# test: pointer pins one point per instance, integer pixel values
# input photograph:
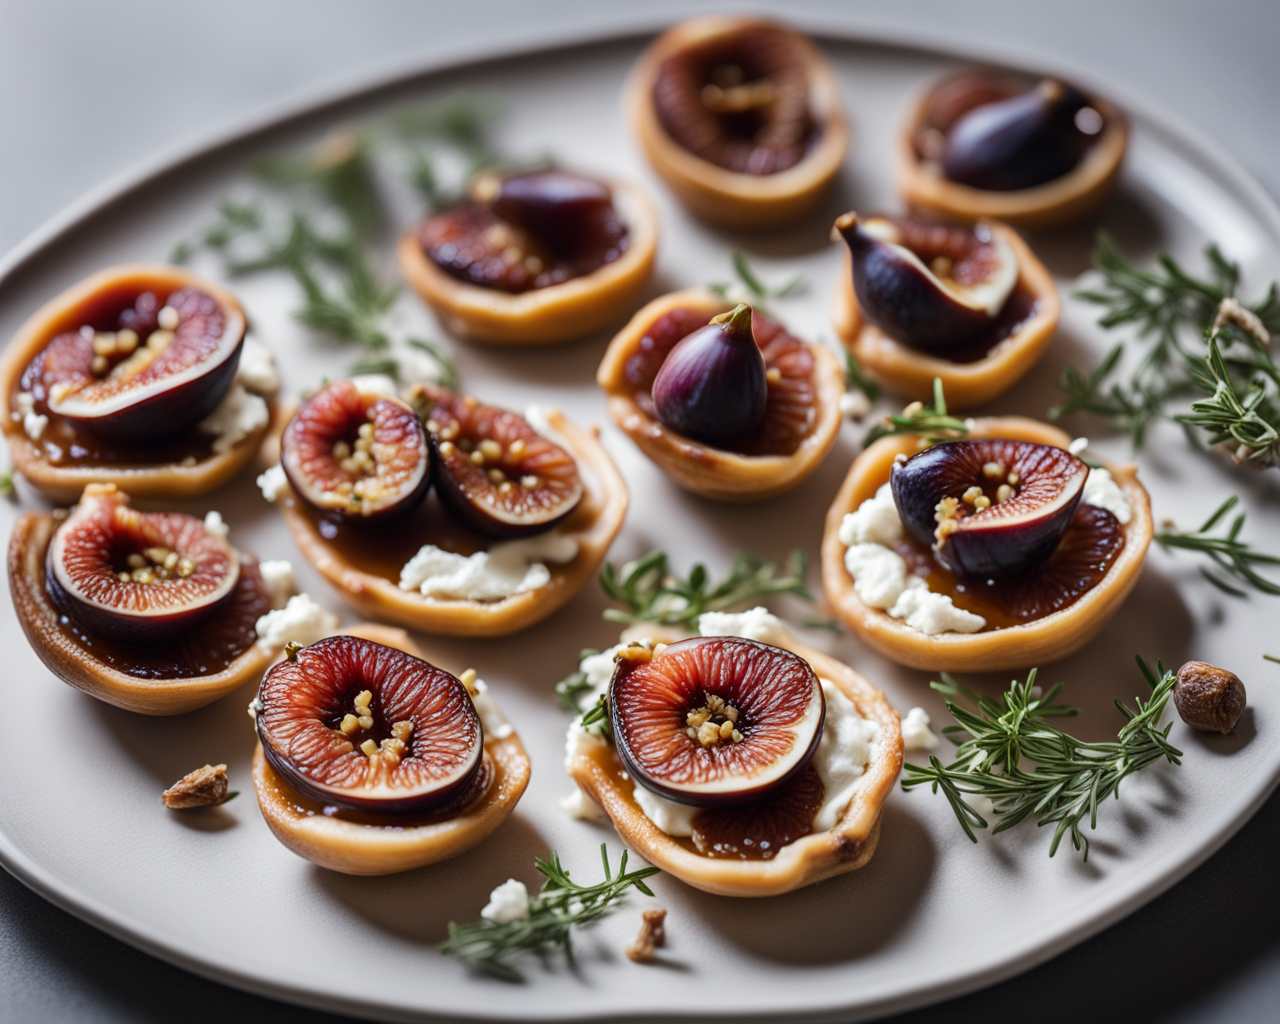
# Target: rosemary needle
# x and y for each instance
(1233, 558)
(932, 422)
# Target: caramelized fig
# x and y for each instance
(990, 507)
(492, 470)
(356, 724)
(715, 721)
(934, 287)
(1023, 140)
(137, 577)
(356, 455)
(712, 385)
(760, 830)
(143, 371)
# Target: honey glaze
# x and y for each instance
(305, 807)
(1088, 549)
(791, 409)
(209, 649)
(1019, 308)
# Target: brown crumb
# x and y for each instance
(204, 787)
(653, 933)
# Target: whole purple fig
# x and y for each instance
(712, 385)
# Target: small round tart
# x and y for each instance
(802, 415)
(545, 314)
(93, 383)
(218, 655)
(923, 185)
(983, 369)
(367, 843)
(365, 564)
(763, 106)
(997, 647)
(812, 857)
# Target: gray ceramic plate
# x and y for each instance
(931, 916)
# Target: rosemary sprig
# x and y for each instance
(7, 490)
(756, 291)
(560, 905)
(931, 422)
(574, 685)
(595, 720)
(1070, 777)
(856, 379)
(651, 593)
(1234, 558)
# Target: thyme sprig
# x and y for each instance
(651, 593)
(560, 906)
(1233, 558)
(1203, 344)
(932, 422)
(756, 291)
(1070, 777)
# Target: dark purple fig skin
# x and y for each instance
(902, 301)
(996, 542)
(712, 386)
(1020, 142)
(561, 210)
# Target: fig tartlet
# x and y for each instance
(919, 300)
(999, 551)
(720, 753)
(741, 117)
(730, 406)
(534, 257)
(141, 376)
(984, 143)
(153, 612)
(370, 760)
(521, 517)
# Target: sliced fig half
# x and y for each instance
(990, 507)
(356, 724)
(147, 365)
(715, 721)
(492, 470)
(935, 287)
(137, 578)
(356, 455)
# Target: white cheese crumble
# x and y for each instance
(32, 422)
(916, 734)
(842, 754)
(854, 404)
(581, 807)
(930, 613)
(237, 416)
(301, 620)
(672, 818)
(1078, 445)
(508, 902)
(755, 624)
(277, 579)
(375, 384)
(257, 369)
(875, 521)
(512, 567)
(1101, 489)
(273, 482)
(214, 524)
(491, 717)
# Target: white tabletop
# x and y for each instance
(86, 89)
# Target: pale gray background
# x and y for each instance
(89, 88)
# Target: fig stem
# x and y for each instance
(291, 650)
(736, 322)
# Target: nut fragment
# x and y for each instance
(204, 787)
(1208, 698)
(653, 933)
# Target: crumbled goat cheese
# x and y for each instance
(1101, 489)
(257, 369)
(273, 482)
(916, 734)
(880, 575)
(855, 404)
(1078, 445)
(32, 422)
(755, 624)
(598, 670)
(237, 416)
(277, 579)
(842, 754)
(214, 524)
(508, 902)
(492, 719)
(300, 620)
(375, 384)
(581, 807)
(512, 567)
(672, 818)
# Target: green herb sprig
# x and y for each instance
(1070, 778)
(7, 489)
(651, 593)
(932, 422)
(1233, 558)
(856, 379)
(571, 688)
(759, 292)
(560, 906)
